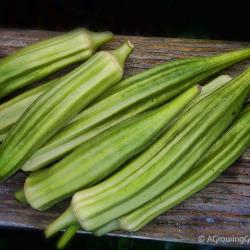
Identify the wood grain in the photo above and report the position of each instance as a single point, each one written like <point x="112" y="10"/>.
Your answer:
<point x="223" y="208"/>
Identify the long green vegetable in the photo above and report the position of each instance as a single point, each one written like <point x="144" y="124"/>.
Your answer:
<point x="225" y="151"/>
<point x="101" y="156"/>
<point x="41" y="59"/>
<point x="169" y="164"/>
<point x="60" y="104"/>
<point x="171" y="81"/>
<point x="12" y="110"/>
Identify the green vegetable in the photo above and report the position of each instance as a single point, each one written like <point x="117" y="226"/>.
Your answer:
<point x="43" y="58"/>
<point x="60" y="104"/>
<point x="148" y="84"/>
<point x="169" y="164"/>
<point x="221" y="155"/>
<point x="12" y="110"/>
<point x="99" y="157"/>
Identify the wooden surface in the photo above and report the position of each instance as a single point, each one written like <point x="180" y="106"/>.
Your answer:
<point x="222" y="209"/>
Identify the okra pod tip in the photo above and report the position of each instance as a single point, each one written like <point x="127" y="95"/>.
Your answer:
<point x="121" y="53"/>
<point x="99" y="38"/>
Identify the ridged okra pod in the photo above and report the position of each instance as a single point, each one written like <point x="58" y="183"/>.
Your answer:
<point x="59" y="104"/>
<point x="11" y="111"/>
<point x="221" y="155"/>
<point x="43" y="58"/>
<point x="153" y="82"/>
<point x="170" y="164"/>
<point x="99" y="157"/>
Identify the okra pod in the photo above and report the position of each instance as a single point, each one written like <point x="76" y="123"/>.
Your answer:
<point x="59" y="104"/>
<point x="169" y="165"/>
<point x="145" y="85"/>
<point x="11" y="110"/>
<point x="98" y="158"/>
<point x="43" y="58"/>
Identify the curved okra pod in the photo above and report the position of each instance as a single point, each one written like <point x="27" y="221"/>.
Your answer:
<point x="38" y="60"/>
<point x="11" y="110"/>
<point x="153" y="82"/>
<point x="98" y="158"/>
<point x="59" y="104"/>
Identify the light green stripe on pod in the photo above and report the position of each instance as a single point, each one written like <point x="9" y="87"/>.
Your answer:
<point x="43" y="58"/>
<point x="169" y="165"/>
<point x="12" y="110"/>
<point x="221" y="155"/>
<point x="58" y="105"/>
<point x="172" y="81"/>
<point x="99" y="157"/>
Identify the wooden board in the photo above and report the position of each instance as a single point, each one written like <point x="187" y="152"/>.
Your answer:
<point x="222" y="209"/>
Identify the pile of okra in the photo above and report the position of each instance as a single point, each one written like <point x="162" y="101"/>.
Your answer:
<point x="123" y="150"/>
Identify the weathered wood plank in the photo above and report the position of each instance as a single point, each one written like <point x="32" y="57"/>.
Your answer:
<point x="222" y="209"/>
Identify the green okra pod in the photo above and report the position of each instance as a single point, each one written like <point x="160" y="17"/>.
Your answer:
<point x="168" y="165"/>
<point x="36" y="61"/>
<point x="11" y="110"/>
<point x="59" y="104"/>
<point x="99" y="157"/>
<point x="153" y="82"/>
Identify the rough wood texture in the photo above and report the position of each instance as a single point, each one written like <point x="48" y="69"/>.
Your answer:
<point x="222" y="209"/>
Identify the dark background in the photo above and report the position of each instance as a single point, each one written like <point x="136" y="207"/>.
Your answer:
<point x="228" y="20"/>
<point x="209" y="19"/>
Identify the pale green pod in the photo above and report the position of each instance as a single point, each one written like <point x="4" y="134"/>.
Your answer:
<point x="38" y="60"/>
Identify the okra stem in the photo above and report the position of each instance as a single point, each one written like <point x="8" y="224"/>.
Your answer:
<point x="67" y="236"/>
